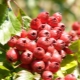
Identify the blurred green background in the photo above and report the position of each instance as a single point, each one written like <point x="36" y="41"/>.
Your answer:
<point x="70" y="9"/>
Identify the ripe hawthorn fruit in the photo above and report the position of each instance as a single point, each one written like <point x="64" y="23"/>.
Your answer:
<point x="12" y="55"/>
<point x="47" y="75"/>
<point x="44" y="27"/>
<point x="54" y="66"/>
<point x="76" y="25"/>
<point x="32" y="34"/>
<point x="38" y="66"/>
<point x="26" y="57"/>
<point x="53" y="21"/>
<point x="44" y="33"/>
<point x="56" y="57"/>
<point x="70" y="77"/>
<point x="23" y="33"/>
<point x="58" y="16"/>
<point x="35" y="23"/>
<point x="12" y="42"/>
<point x="39" y="52"/>
<point x="43" y="16"/>
<point x="22" y="43"/>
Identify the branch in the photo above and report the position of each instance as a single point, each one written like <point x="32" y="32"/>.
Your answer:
<point x="16" y="4"/>
<point x="8" y="4"/>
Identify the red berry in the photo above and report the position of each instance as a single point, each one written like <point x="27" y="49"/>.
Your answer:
<point x="78" y="32"/>
<point x="12" y="42"/>
<point x="44" y="33"/>
<point x="12" y="55"/>
<point x="26" y="57"/>
<point x="39" y="52"/>
<point x="55" y="34"/>
<point x="59" y="45"/>
<point x="76" y="26"/>
<point x="52" y="40"/>
<point x="58" y="16"/>
<point x="47" y="57"/>
<point x="66" y="38"/>
<point x="43" y="16"/>
<point x="23" y="33"/>
<point x="47" y="75"/>
<point x="31" y="46"/>
<point x="54" y="67"/>
<point x="32" y="34"/>
<point x="70" y="77"/>
<point x="43" y="42"/>
<point x="50" y="49"/>
<point x="56" y="57"/>
<point x="35" y="23"/>
<point x="44" y="27"/>
<point x="52" y="21"/>
<point x="22" y="43"/>
<point x="38" y="66"/>
<point x="61" y="26"/>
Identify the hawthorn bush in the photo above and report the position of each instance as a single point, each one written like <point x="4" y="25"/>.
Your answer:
<point x="37" y="49"/>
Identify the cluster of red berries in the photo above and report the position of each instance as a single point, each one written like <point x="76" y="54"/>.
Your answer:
<point x="43" y="47"/>
<point x="75" y="32"/>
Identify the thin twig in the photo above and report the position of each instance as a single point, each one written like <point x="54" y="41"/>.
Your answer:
<point x="19" y="8"/>
<point x="8" y="4"/>
<point x="16" y="3"/>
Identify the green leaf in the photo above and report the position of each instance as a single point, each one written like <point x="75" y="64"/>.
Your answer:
<point x="75" y="47"/>
<point x="68" y="64"/>
<point x="9" y="28"/>
<point x="26" y="22"/>
<point x="5" y="32"/>
<point x="3" y="13"/>
<point x="4" y="47"/>
<point x="3" y="71"/>
<point x="15" y="23"/>
<point x="77" y="54"/>
<point x="2" y="56"/>
<point x="24" y="75"/>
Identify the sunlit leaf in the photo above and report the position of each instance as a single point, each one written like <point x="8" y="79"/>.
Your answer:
<point x="68" y="64"/>
<point x="3" y="72"/>
<point x="75" y="47"/>
<point x="15" y="23"/>
<point x="24" y="75"/>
